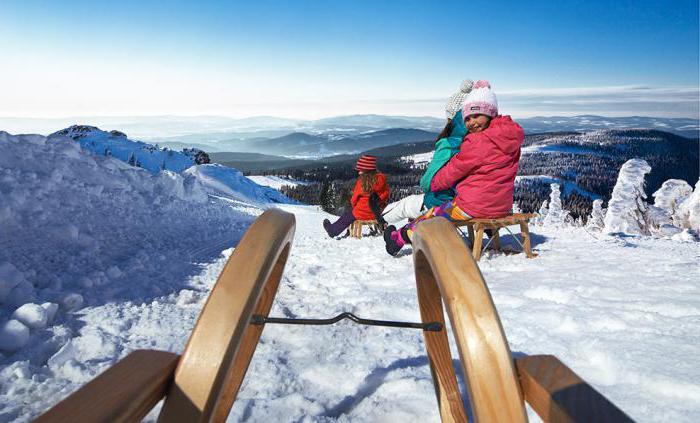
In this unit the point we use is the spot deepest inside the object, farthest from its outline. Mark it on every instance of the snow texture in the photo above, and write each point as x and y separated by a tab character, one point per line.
627	211
121	259
231	183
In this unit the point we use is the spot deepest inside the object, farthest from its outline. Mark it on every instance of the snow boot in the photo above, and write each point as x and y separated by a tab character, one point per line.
394	241
336	228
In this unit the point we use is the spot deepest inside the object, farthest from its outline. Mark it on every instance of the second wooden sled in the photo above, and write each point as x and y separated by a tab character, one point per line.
202	384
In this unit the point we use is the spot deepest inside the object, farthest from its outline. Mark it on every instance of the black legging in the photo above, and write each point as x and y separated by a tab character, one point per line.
376	207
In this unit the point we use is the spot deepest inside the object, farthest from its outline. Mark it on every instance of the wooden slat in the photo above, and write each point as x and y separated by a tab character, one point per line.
442	259
439	357
223	340
125	392
558	394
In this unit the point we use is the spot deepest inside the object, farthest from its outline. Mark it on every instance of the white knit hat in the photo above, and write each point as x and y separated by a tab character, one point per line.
456	101
481	101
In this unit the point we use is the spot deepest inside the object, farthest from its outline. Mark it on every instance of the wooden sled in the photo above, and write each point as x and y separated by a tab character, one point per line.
202	384
477	227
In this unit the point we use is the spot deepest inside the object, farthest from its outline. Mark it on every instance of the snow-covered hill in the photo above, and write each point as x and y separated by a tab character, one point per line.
129	258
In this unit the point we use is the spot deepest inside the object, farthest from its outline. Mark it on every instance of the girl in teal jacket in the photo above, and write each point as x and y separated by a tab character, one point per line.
446	146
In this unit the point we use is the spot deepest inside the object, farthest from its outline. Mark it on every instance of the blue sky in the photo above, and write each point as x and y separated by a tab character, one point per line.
321	58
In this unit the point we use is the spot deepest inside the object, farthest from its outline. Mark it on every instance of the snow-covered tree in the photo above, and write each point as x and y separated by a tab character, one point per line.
542	212
669	197
516	208
132	159
627	210
689	210
556	215
595	220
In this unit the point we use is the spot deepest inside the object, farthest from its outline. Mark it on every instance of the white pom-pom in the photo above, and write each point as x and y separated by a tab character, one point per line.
466	86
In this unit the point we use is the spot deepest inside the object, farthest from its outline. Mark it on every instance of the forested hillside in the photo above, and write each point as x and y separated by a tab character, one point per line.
586	164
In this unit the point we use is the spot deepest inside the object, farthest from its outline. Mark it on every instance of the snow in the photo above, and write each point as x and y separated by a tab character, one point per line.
118	145
121	259
275	182
32	315
231	183
421	159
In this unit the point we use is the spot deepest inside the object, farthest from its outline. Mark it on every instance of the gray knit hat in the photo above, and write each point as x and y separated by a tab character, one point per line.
456	101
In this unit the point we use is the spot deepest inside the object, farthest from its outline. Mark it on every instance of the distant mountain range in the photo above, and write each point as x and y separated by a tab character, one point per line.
310	139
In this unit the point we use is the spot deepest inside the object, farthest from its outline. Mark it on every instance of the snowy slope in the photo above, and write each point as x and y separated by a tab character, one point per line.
116	144
231	183
143	252
275	182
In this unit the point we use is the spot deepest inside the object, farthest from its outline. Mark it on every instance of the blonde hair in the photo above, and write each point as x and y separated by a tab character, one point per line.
367	180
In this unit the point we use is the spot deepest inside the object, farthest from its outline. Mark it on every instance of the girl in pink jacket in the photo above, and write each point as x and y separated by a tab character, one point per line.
483	172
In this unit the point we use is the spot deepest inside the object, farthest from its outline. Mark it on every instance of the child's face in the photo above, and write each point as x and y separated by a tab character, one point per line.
477	123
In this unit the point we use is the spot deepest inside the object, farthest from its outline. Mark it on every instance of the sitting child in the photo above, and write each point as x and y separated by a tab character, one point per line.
370	183
446	146
483	171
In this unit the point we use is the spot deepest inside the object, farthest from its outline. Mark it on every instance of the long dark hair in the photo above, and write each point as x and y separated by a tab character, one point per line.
446	131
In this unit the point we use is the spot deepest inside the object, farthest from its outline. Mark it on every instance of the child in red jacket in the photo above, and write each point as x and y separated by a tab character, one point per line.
369	197
482	173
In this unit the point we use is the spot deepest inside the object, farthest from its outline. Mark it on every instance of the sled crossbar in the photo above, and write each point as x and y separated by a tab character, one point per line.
258	319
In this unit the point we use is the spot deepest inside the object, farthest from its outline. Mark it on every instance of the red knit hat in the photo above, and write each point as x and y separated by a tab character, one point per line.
366	163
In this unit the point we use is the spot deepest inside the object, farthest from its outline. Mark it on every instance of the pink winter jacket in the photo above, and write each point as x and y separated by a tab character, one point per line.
484	169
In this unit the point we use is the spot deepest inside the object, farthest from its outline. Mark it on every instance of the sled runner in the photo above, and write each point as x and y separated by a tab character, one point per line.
202	384
495	225
356	228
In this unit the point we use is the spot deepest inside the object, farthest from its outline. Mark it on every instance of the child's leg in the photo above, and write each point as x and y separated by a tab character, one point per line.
376	208
449	210
406	208
336	228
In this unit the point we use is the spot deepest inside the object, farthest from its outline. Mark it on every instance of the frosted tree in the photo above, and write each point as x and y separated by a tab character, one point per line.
556	216
595	220
689	210
542	212
669	198
627	210
132	159
516	208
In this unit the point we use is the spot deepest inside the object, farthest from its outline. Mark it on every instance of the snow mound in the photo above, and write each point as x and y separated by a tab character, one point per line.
79	229
229	182
135	153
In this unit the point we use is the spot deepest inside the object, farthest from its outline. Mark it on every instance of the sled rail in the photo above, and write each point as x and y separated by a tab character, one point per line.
498	385
201	385
557	394
126	391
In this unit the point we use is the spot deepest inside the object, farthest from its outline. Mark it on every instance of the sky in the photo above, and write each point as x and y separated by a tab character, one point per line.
312	59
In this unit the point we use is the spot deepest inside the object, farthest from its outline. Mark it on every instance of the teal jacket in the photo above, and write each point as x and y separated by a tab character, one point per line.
445	148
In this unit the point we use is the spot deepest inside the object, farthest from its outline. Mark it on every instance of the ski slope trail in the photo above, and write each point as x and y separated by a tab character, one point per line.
624	313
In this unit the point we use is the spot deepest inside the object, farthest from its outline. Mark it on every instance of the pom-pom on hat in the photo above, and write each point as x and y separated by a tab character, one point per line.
456	100
481	101
366	163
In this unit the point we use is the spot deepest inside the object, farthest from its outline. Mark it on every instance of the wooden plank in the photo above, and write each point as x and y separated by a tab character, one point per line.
222	342
439	357
557	394
125	392
527	244
484	353
476	248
